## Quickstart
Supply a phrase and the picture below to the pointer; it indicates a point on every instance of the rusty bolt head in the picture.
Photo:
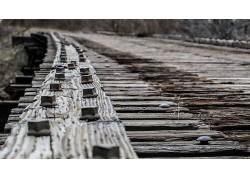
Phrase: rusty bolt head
(48, 100)
(81, 55)
(38, 128)
(82, 59)
(89, 92)
(60, 76)
(84, 71)
(55, 86)
(106, 152)
(60, 70)
(86, 78)
(71, 66)
(90, 113)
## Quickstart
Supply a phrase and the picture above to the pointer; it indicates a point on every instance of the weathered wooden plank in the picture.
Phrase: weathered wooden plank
(132, 93)
(176, 64)
(185, 143)
(17, 111)
(26, 99)
(198, 150)
(31, 89)
(141, 109)
(23, 105)
(30, 94)
(140, 125)
(172, 135)
(143, 103)
(140, 98)
(158, 116)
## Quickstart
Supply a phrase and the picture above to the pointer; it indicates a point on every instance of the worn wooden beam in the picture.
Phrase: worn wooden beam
(69, 135)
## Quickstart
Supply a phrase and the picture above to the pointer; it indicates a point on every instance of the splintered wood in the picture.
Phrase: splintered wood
(71, 134)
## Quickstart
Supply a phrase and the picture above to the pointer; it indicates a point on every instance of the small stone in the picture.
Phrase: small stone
(105, 59)
(204, 138)
(107, 65)
(129, 86)
(164, 106)
(116, 74)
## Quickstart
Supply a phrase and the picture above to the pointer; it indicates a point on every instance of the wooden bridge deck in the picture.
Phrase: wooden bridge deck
(206, 88)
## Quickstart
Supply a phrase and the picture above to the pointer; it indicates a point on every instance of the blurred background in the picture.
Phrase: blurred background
(12, 58)
(212, 28)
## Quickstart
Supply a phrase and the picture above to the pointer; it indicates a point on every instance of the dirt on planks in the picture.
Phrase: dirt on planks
(221, 104)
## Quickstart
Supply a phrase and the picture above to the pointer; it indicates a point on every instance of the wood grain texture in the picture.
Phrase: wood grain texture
(208, 86)
(70, 137)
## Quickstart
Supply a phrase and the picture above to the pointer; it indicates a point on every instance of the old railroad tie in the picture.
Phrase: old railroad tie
(70, 116)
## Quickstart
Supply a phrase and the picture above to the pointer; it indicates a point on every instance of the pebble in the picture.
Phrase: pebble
(116, 74)
(105, 59)
(129, 86)
(164, 106)
(107, 65)
(204, 138)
